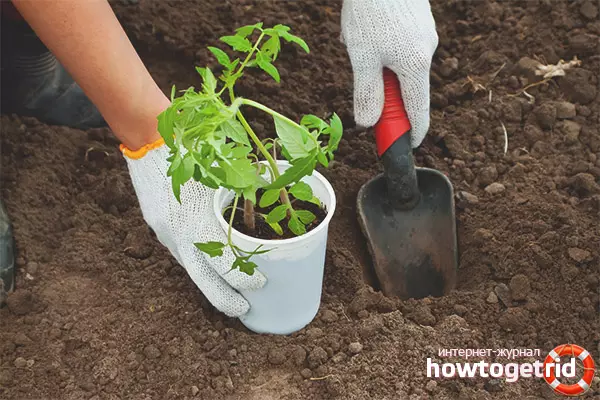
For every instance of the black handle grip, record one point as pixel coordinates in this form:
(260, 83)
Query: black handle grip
(400, 173)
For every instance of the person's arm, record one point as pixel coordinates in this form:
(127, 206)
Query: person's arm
(88, 40)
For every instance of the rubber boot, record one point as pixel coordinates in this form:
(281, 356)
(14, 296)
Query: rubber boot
(35, 84)
(7, 256)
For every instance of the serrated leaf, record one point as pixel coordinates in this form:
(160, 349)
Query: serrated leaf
(209, 82)
(248, 29)
(221, 56)
(269, 197)
(296, 226)
(305, 216)
(240, 174)
(247, 267)
(235, 131)
(277, 214)
(292, 138)
(277, 228)
(269, 68)
(213, 249)
(238, 43)
(295, 39)
(271, 47)
(313, 122)
(301, 191)
(301, 168)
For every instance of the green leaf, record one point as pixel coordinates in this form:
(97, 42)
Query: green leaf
(166, 121)
(245, 266)
(269, 197)
(240, 151)
(247, 30)
(315, 200)
(295, 39)
(240, 174)
(235, 131)
(301, 168)
(293, 138)
(301, 191)
(305, 216)
(271, 47)
(238, 43)
(221, 56)
(209, 82)
(269, 68)
(322, 158)
(173, 93)
(279, 28)
(213, 249)
(296, 226)
(277, 214)
(277, 228)
(313, 122)
(335, 131)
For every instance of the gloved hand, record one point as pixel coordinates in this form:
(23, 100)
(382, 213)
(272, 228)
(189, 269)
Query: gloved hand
(399, 35)
(179, 226)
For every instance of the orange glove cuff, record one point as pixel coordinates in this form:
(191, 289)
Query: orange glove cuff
(142, 151)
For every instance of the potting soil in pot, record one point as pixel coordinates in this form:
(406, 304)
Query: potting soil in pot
(102, 311)
(262, 228)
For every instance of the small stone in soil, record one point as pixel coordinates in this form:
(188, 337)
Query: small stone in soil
(495, 188)
(565, 110)
(503, 293)
(20, 362)
(492, 298)
(355, 348)
(519, 287)
(306, 373)
(467, 197)
(579, 255)
(589, 10)
(195, 390)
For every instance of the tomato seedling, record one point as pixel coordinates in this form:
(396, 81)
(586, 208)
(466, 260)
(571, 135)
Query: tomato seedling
(211, 141)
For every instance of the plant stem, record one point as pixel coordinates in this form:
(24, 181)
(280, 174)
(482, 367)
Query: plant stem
(249, 215)
(235, 201)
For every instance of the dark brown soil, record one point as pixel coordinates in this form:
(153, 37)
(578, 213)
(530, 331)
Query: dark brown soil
(262, 230)
(102, 310)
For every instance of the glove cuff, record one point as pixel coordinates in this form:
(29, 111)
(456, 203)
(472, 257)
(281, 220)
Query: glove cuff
(142, 151)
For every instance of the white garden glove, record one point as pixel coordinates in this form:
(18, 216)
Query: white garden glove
(399, 35)
(179, 226)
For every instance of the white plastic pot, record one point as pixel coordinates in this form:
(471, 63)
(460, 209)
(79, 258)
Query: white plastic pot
(294, 267)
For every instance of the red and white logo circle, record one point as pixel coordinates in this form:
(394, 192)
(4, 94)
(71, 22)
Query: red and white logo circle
(589, 369)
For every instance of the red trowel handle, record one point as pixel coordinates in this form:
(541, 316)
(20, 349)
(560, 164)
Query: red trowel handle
(392, 134)
(393, 122)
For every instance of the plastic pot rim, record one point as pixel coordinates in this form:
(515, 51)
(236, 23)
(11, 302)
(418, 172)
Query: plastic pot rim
(323, 225)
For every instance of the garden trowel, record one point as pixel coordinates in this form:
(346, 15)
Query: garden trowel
(407, 213)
